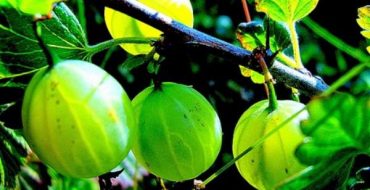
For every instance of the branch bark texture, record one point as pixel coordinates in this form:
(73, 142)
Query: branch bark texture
(177, 35)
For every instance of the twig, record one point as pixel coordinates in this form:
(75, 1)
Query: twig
(178, 36)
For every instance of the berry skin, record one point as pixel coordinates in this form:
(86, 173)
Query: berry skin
(78, 119)
(180, 133)
(273, 161)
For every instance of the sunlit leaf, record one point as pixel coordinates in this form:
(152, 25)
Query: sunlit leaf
(256, 77)
(364, 22)
(245, 71)
(30, 6)
(338, 130)
(288, 11)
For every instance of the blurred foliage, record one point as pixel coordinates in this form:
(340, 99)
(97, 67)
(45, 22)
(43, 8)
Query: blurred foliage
(346, 119)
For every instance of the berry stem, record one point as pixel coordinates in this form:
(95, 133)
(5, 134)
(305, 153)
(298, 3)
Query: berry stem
(246, 11)
(51, 57)
(295, 95)
(93, 49)
(271, 94)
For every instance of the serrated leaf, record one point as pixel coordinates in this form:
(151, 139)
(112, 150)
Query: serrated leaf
(364, 22)
(321, 175)
(254, 35)
(251, 35)
(133, 62)
(20, 51)
(279, 35)
(342, 116)
(12, 154)
(30, 6)
(288, 11)
(366, 34)
(338, 130)
(364, 17)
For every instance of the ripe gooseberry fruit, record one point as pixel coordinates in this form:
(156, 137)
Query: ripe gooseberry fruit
(180, 133)
(77, 119)
(121, 25)
(274, 160)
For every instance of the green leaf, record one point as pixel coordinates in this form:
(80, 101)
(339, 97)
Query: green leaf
(256, 77)
(3, 71)
(288, 11)
(12, 154)
(342, 116)
(334, 170)
(337, 131)
(279, 35)
(362, 84)
(364, 22)
(4, 3)
(30, 6)
(253, 35)
(20, 51)
(134, 61)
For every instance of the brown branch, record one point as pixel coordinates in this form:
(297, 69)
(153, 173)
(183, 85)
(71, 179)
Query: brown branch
(177, 35)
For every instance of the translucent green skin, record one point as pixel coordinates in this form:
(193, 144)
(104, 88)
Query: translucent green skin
(179, 132)
(273, 161)
(78, 119)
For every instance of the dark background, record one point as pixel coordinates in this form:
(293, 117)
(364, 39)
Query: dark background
(220, 81)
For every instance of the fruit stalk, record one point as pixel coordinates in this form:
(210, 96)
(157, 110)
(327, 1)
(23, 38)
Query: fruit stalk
(269, 80)
(50, 56)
